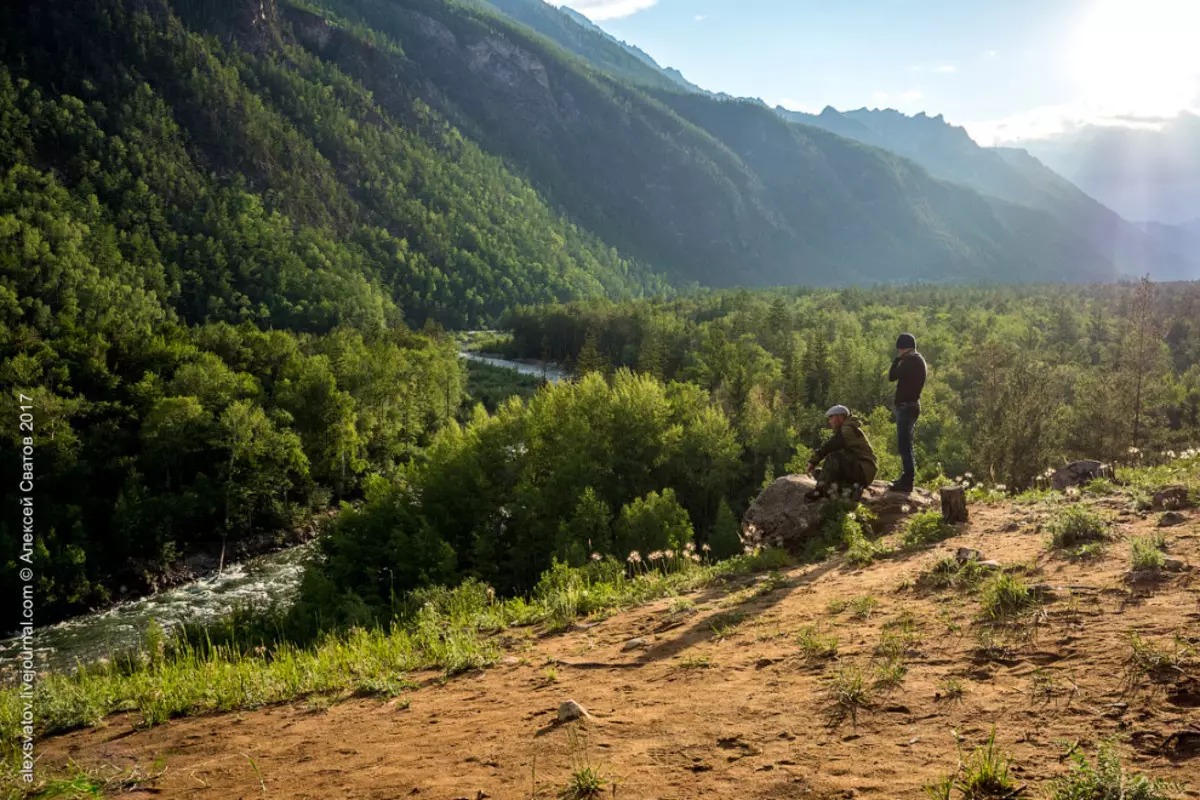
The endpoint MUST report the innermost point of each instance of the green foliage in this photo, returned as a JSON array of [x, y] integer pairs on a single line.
[[849, 692], [725, 539], [815, 646], [1004, 596], [653, 523], [926, 527], [1105, 778], [1146, 552], [1077, 525], [986, 773]]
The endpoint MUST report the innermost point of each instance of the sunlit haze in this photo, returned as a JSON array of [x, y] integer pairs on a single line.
[[1007, 70]]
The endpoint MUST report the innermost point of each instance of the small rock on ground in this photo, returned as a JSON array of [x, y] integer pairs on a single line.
[[570, 710], [1170, 519], [636, 644], [965, 554]]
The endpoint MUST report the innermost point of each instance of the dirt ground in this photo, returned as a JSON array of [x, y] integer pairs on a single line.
[[722, 704]]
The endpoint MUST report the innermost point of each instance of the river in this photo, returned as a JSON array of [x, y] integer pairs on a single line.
[[552, 372], [268, 579], [258, 582]]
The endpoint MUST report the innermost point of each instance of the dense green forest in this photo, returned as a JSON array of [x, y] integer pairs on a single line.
[[685, 408]]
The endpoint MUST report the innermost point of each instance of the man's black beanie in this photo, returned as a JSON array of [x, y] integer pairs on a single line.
[[906, 341]]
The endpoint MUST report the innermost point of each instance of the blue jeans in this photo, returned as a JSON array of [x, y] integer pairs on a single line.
[[906, 425]]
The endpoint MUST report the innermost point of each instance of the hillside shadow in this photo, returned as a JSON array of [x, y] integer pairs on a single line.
[[755, 606]]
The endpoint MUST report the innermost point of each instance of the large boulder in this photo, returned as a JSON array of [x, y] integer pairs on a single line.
[[781, 517], [1077, 473]]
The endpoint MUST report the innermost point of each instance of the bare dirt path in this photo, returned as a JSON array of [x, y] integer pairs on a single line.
[[721, 702]]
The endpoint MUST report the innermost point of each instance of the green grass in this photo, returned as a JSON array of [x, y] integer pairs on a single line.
[[952, 688], [949, 573], [815, 646], [1005, 596], [926, 527], [695, 662], [449, 633], [986, 774], [1076, 525], [848, 693], [1106, 778], [586, 783], [863, 607], [1146, 552]]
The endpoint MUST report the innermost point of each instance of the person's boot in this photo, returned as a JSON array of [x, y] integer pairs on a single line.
[[902, 486]]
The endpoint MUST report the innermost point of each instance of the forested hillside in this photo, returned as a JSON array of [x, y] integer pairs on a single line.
[[1009, 174], [167, 198]]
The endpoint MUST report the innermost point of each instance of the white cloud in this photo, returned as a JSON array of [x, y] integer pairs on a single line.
[[946, 68], [700, 17], [1045, 122], [989, 55], [608, 9]]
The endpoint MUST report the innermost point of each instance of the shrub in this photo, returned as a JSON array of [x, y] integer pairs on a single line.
[[1105, 779], [725, 540], [1145, 553], [1005, 595], [654, 522], [1077, 525], [926, 527]]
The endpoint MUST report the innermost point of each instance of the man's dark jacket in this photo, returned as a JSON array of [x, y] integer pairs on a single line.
[[908, 372]]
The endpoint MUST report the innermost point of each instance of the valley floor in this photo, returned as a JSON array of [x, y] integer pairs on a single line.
[[722, 702]]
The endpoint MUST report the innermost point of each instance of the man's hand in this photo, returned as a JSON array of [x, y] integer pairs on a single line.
[[811, 467]]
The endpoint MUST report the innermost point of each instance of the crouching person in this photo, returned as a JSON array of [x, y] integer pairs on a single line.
[[849, 459]]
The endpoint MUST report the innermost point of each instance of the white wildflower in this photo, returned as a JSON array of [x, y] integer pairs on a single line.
[[596, 556]]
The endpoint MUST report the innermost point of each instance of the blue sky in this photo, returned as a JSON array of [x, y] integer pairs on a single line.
[[1007, 70]]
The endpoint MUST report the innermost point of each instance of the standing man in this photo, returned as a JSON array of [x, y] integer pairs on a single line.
[[908, 373]]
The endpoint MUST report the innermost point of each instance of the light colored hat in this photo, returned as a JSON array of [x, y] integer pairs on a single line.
[[838, 411]]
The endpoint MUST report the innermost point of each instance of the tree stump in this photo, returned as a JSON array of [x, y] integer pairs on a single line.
[[954, 504]]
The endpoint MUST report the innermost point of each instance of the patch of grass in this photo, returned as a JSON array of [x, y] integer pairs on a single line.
[[837, 606], [898, 637], [1005, 596], [550, 674], [1089, 551], [941, 789], [890, 673], [951, 688], [695, 662], [1100, 487], [949, 573], [1149, 662], [926, 527], [1076, 525], [773, 581], [1106, 778], [1145, 552], [815, 646], [724, 625], [986, 774], [586, 782], [863, 607], [78, 783], [682, 604], [848, 693]]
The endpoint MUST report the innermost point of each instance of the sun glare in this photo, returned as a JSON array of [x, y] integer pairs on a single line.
[[1138, 56]]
